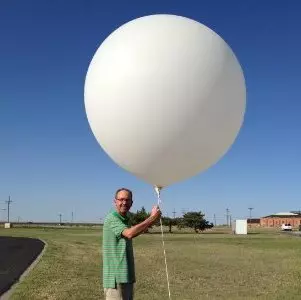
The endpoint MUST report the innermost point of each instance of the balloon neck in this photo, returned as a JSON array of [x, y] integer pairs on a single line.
[[158, 190]]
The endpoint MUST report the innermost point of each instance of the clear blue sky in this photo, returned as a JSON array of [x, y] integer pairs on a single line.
[[50, 162]]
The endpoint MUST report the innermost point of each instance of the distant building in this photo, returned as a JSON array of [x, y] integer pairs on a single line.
[[276, 220], [254, 222]]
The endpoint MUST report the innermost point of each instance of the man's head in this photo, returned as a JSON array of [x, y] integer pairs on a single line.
[[123, 200]]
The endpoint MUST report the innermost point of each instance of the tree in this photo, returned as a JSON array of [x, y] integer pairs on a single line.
[[141, 215], [196, 221], [138, 217], [166, 221]]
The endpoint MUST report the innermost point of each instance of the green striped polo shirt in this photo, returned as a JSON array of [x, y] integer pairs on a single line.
[[118, 255]]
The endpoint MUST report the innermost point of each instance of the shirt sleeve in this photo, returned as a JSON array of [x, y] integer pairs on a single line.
[[117, 226]]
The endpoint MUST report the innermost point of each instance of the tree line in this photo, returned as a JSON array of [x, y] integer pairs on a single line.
[[194, 219]]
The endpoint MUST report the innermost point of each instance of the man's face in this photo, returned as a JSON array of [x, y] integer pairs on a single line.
[[123, 202]]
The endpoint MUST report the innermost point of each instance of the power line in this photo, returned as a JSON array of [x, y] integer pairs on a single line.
[[227, 211], [8, 202], [250, 209]]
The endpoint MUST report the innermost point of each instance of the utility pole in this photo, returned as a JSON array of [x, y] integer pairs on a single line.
[[8, 206], [174, 213], [60, 215], [214, 218], [72, 217], [227, 211], [250, 209]]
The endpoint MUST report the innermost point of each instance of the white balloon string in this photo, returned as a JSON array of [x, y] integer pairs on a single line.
[[158, 189]]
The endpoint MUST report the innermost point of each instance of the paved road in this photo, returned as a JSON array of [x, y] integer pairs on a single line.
[[16, 255]]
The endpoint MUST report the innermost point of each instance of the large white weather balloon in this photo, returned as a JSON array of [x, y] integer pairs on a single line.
[[165, 97]]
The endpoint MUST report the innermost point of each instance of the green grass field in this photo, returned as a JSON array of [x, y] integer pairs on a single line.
[[261, 265]]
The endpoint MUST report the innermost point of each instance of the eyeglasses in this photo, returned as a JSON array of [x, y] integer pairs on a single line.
[[124, 199]]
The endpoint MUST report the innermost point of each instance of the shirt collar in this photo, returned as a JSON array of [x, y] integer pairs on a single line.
[[115, 213]]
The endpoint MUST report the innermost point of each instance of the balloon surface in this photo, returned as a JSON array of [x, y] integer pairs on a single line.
[[165, 97]]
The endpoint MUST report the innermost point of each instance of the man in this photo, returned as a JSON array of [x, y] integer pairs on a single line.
[[118, 256]]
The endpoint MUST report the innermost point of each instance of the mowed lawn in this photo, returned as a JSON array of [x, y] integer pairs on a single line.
[[261, 265]]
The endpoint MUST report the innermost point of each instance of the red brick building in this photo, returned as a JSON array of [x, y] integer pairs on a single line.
[[278, 219], [254, 222]]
